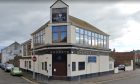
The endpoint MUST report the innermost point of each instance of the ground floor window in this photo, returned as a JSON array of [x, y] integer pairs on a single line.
[[25, 64], [44, 65], [29, 64], [73, 66], [81, 65]]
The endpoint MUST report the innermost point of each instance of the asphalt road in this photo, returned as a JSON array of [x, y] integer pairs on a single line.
[[127, 80], [6, 78]]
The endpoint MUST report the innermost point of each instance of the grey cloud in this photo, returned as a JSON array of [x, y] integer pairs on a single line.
[[136, 16], [104, 17], [19, 20]]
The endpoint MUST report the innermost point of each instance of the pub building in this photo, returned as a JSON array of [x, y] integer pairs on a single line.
[[69, 47]]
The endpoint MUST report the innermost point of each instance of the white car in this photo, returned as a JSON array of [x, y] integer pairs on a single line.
[[121, 67]]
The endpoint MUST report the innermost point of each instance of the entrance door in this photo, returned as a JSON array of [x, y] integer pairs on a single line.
[[59, 65]]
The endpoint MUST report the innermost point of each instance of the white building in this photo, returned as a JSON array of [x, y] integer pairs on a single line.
[[69, 47], [9, 52]]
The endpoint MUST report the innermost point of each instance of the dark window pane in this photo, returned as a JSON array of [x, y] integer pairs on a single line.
[[60, 58], [55, 29], [63, 28], [42, 65], [45, 65], [73, 66], [55, 37], [63, 37], [81, 65], [59, 33]]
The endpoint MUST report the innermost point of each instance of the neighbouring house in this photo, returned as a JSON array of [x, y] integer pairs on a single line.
[[67, 47], [9, 52], [123, 57], [25, 61]]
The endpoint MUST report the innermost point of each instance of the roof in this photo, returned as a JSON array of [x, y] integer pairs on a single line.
[[83, 24], [15, 43], [57, 1], [77, 22], [26, 42], [122, 55], [42, 27]]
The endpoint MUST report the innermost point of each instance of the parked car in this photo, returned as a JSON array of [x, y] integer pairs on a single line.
[[121, 67], [3, 66], [16, 71], [8, 67], [0, 65]]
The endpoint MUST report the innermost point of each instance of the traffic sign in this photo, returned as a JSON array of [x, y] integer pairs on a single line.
[[34, 58]]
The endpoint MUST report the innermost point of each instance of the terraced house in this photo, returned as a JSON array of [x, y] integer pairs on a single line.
[[69, 47]]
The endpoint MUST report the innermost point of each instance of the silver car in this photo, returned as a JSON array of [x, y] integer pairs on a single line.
[[8, 67]]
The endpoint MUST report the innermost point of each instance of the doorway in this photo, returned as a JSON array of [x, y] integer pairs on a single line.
[[59, 65]]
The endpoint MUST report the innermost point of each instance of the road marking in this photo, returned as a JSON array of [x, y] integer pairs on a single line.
[[29, 80]]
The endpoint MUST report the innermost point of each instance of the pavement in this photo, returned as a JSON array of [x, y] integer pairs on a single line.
[[101, 79]]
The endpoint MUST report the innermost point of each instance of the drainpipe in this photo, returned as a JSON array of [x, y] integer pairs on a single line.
[[99, 62]]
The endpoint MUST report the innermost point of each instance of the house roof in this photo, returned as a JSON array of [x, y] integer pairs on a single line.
[[26, 42], [56, 2], [76, 22], [122, 55], [15, 43]]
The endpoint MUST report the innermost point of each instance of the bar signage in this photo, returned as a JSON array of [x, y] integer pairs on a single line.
[[91, 58], [59, 15]]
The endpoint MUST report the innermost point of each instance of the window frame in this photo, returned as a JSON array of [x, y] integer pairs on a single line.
[[81, 67], [73, 66], [59, 32]]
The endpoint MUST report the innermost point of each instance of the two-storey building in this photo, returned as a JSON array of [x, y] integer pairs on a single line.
[[69, 47]]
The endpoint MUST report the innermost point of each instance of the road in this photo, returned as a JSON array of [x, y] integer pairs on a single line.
[[6, 78], [127, 80]]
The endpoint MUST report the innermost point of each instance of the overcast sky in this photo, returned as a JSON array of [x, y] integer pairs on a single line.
[[121, 20]]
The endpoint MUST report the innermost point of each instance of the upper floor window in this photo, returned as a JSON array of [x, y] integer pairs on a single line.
[[91, 38], [38, 38], [59, 34], [26, 49]]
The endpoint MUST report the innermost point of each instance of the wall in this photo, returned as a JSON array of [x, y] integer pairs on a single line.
[[102, 61], [38, 64], [111, 65], [129, 68]]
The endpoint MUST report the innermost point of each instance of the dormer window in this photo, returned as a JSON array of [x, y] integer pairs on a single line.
[[59, 15]]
